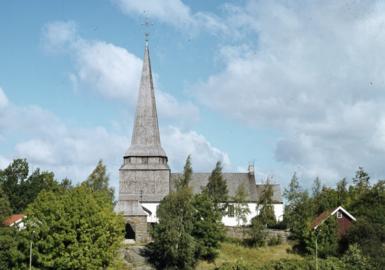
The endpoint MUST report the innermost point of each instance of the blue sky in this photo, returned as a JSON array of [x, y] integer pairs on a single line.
[[288, 85]]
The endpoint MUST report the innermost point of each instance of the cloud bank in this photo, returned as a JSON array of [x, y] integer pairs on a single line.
[[313, 72], [111, 70]]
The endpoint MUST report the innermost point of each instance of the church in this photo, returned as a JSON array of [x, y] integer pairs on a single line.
[[145, 177]]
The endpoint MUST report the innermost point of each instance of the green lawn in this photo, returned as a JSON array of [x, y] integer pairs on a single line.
[[231, 252]]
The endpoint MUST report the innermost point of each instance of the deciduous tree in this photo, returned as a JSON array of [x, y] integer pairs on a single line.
[[241, 206]]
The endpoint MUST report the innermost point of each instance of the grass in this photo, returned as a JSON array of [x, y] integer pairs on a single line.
[[231, 252]]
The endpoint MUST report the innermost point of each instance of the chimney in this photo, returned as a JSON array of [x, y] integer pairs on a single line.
[[251, 169]]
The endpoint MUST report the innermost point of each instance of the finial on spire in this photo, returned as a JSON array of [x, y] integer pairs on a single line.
[[147, 25]]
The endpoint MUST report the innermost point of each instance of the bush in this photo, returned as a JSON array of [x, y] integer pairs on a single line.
[[274, 240]]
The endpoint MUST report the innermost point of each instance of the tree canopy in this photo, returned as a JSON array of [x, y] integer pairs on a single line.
[[217, 191]]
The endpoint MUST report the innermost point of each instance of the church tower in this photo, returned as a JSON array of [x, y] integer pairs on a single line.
[[145, 174]]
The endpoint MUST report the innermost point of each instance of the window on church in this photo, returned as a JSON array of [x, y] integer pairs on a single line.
[[231, 210]]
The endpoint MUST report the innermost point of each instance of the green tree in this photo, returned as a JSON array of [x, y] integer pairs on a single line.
[[257, 233], [13, 180], [98, 183], [22, 189], [217, 191], [317, 195], [361, 181], [343, 194], [265, 204], [65, 186], [8, 248], [187, 175], [369, 237], [355, 260], [208, 230], [241, 206], [73, 231], [327, 239], [174, 247], [295, 197]]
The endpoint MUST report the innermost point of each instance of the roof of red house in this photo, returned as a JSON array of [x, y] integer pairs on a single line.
[[13, 219], [327, 213]]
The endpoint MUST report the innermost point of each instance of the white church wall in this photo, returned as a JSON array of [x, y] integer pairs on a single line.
[[278, 211], [152, 207], [227, 220]]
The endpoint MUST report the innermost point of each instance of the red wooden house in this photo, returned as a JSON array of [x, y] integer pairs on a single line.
[[344, 219]]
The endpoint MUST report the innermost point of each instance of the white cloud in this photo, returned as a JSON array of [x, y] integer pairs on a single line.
[[176, 13], [112, 71], [316, 75], [3, 100], [71, 151], [179, 144]]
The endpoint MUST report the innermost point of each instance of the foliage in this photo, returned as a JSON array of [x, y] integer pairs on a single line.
[[294, 196], [257, 233], [361, 181], [275, 240], [187, 175], [241, 207], [265, 204], [317, 195], [174, 247], [5, 208], [73, 230], [369, 237], [354, 259], [327, 240], [208, 230], [217, 191], [21, 190], [8, 252], [98, 183]]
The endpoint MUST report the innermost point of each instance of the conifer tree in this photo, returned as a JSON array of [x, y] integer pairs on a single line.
[[217, 191], [361, 181], [208, 231], [174, 247], [98, 183], [241, 207], [187, 175], [265, 204]]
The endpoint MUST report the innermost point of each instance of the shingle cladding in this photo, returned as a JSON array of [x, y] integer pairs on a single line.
[[233, 181], [277, 195], [129, 208], [145, 136]]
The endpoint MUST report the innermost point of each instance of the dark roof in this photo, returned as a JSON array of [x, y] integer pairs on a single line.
[[13, 219], [328, 212], [233, 181], [277, 195], [129, 208]]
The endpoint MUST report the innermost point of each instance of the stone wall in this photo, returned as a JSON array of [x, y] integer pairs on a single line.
[[241, 232], [139, 226]]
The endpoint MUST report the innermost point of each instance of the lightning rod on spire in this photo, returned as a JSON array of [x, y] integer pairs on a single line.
[[147, 25]]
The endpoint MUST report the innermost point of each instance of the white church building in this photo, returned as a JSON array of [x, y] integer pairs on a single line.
[[145, 177]]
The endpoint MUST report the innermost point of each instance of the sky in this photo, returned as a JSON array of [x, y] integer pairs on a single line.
[[289, 86]]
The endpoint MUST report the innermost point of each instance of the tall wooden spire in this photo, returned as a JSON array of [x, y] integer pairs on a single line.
[[145, 136]]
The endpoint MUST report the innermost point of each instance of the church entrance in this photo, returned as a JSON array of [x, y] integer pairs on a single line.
[[130, 234]]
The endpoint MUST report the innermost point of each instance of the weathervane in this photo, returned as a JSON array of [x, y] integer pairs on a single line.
[[147, 25]]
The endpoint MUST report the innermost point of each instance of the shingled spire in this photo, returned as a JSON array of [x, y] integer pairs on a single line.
[[145, 136], [145, 174]]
